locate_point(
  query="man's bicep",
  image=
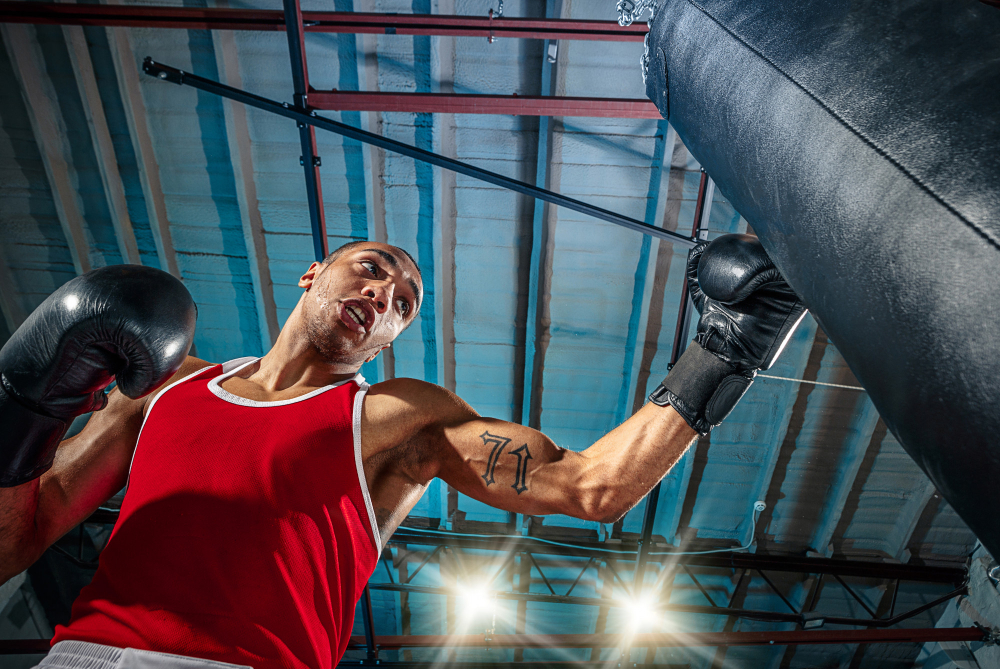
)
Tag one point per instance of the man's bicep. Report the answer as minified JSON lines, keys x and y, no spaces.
{"x":511,"y":467}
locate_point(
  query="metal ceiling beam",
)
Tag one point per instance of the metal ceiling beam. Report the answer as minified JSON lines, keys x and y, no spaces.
{"x":41,"y":106}
{"x":685,"y":640}
{"x":854,"y":568}
{"x":699,"y":231}
{"x":309,"y":159}
{"x":191,"y":18}
{"x":241,"y":157}
{"x":308,"y":117}
{"x":142,"y":144}
{"x":445,"y":240}
{"x":645,"y":273}
{"x":373,"y":158}
{"x":455,"y":103}
{"x":698,"y":609}
{"x":104,"y":149}
{"x":804,"y":565}
{"x":533,"y":354}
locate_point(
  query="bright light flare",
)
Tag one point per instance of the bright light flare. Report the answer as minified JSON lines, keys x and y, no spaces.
{"x":474,"y":599}
{"x":641,"y":614}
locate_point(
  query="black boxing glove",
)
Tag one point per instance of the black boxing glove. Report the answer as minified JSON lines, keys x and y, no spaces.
{"x":748,"y":314}
{"x":127,"y":323}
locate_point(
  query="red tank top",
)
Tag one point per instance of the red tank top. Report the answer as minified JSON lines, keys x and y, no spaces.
{"x":246,"y":534}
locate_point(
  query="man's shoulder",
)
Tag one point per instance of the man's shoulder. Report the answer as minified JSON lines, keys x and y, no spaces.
{"x":407,"y":395}
{"x":191,"y":365}
{"x":405,"y":387}
{"x":416,"y":401}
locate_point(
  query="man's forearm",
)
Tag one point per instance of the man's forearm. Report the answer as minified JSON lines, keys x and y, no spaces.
{"x":624,"y":465}
{"x":18,"y":506}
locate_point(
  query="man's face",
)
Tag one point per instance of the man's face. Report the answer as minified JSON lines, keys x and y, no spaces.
{"x":355,"y":306}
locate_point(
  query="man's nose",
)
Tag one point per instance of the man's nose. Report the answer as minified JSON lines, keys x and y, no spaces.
{"x":381,"y":294}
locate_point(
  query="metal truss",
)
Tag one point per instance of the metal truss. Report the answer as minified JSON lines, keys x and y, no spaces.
{"x":741,"y":563}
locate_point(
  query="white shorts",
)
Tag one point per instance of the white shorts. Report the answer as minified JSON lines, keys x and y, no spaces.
{"x":85,"y":655}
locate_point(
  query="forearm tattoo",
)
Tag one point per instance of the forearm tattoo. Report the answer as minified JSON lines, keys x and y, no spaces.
{"x":497,"y":445}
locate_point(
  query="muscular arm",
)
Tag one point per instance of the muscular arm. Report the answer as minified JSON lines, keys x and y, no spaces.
{"x":519,"y":469}
{"x":88,"y":469}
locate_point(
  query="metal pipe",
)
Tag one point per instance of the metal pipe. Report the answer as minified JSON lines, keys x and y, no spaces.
{"x":191,"y":18}
{"x":176,"y":76}
{"x":692,"y":639}
{"x":455,"y":103}
{"x":309,"y":159}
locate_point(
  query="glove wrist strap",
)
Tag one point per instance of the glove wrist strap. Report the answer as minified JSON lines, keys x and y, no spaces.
{"x":28,"y":442}
{"x":702,"y":388}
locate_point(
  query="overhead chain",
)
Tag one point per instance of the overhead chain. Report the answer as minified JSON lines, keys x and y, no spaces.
{"x":628,"y":12}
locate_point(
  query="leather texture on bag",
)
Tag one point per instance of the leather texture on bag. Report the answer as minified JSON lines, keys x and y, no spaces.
{"x":861,"y":140}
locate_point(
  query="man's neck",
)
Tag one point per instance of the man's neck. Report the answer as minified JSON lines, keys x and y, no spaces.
{"x":293,"y":362}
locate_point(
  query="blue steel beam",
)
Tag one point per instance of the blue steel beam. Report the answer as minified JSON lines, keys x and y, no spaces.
{"x":532,"y":355}
{"x":537,"y":241}
{"x":645,"y":269}
{"x":133,"y":104}
{"x":699,"y":231}
{"x":241,"y":156}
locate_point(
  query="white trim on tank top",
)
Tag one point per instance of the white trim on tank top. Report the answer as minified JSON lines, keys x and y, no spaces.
{"x":356,"y":420}
{"x":223,"y":394}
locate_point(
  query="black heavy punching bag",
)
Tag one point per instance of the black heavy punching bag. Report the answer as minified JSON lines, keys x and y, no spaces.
{"x":861,"y":140}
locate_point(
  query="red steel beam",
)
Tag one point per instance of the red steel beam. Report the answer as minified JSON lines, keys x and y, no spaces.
{"x":792,"y":638}
{"x":517,"y":105}
{"x":192,"y":18}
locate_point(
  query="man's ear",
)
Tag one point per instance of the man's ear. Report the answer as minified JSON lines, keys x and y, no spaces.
{"x":307,"y":279}
{"x":375,"y":354}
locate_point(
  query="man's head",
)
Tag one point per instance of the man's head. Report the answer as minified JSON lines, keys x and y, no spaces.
{"x":358,"y":300}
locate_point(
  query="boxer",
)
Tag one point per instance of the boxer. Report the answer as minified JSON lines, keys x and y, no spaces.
{"x":261,"y":492}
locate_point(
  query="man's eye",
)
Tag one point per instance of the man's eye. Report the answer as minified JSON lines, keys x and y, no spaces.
{"x":404,"y":306}
{"x":370,"y":266}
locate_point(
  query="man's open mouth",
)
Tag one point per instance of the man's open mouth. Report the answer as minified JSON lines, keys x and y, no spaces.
{"x":357,"y":313}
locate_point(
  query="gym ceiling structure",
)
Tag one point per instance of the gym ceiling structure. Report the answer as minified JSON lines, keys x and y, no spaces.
{"x":550,"y":195}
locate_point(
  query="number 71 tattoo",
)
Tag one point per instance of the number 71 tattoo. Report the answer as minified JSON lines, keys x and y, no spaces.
{"x":498,"y":443}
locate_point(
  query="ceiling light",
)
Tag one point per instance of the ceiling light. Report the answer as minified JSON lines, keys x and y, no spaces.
{"x":641,"y":613}
{"x":473,"y":599}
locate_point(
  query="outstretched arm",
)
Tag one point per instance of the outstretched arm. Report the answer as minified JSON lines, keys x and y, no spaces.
{"x":748,"y":313}
{"x":519,"y":469}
